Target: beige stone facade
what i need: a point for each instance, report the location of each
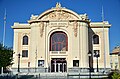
(115, 58)
(59, 39)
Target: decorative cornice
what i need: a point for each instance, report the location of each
(21, 26)
(104, 24)
(70, 20)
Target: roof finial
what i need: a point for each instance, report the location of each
(58, 5)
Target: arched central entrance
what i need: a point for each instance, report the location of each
(58, 43)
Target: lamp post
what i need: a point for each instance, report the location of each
(116, 64)
(97, 55)
(89, 55)
(111, 64)
(19, 62)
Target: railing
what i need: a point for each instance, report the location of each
(58, 52)
(54, 76)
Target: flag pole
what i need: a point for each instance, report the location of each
(4, 35)
(4, 28)
(104, 40)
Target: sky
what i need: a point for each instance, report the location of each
(21, 10)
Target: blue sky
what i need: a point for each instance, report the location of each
(21, 10)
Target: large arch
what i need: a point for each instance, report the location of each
(57, 30)
(55, 60)
(58, 41)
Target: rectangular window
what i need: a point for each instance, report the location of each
(24, 53)
(75, 63)
(96, 53)
(40, 63)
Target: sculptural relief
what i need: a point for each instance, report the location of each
(58, 5)
(59, 15)
(41, 28)
(52, 15)
(75, 27)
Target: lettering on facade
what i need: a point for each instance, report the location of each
(58, 24)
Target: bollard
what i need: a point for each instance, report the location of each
(16, 77)
(79, 75)
(67, 76)
(39, 76)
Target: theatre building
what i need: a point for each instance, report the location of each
(59, 40)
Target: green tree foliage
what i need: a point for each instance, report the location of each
(116, 75)
(6, 56)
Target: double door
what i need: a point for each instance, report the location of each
(58, 65)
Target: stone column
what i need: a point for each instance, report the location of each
(84, 45)
(33, 43)
(63, 66)
(55, 65)
(59, 67)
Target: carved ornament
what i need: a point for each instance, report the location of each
(75, 27)
(59, 15)
(41, 28)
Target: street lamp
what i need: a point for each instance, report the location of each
(97, 55)
(19, 62)
(89, 55)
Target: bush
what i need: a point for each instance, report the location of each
(114, 75)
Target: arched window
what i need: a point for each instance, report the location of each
(95, 39)
(25, 40)
(58, 41)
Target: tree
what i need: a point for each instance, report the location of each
(6, 57)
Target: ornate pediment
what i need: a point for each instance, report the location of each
(58, 13)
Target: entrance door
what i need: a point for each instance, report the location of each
(58, 65)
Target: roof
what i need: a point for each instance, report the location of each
(116, 50)
(60, 14)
